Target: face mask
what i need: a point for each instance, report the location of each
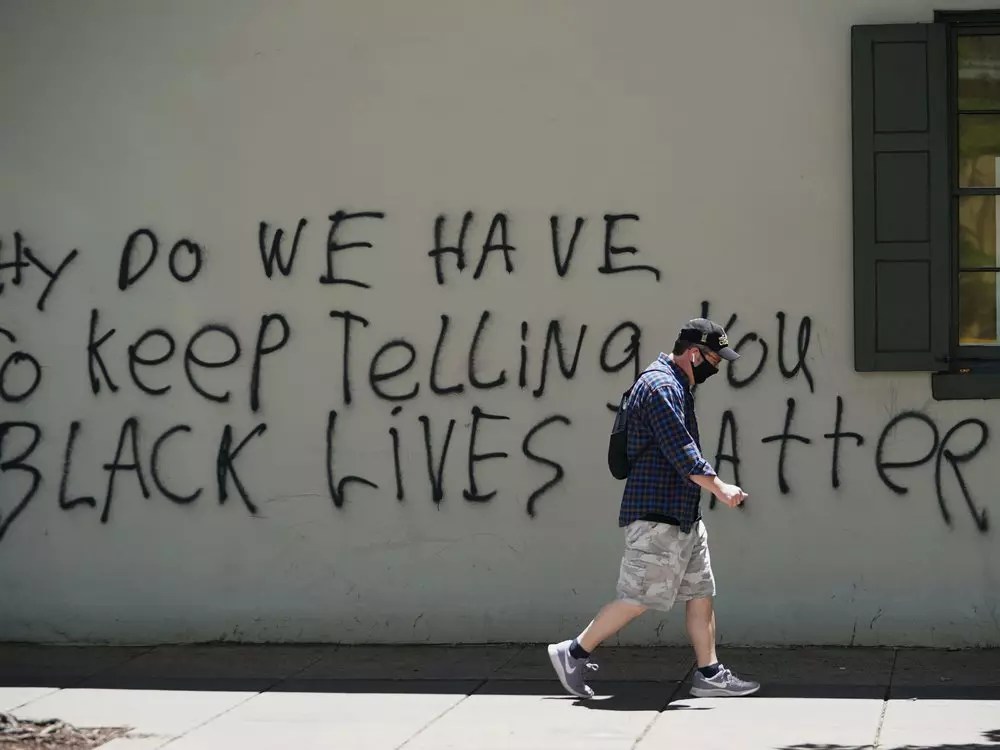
(703, 371)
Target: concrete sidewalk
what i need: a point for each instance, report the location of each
(466, 697)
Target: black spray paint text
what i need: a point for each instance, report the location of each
(454, 247)
(399, 371)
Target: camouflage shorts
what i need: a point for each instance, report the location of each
(662, 565)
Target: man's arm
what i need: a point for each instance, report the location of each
(666, 419)
(665, 412)
(730, 494)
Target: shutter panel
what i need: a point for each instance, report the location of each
(902, 256)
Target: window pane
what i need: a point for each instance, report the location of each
(977, 231)
(977, 308)
(979, 72)
(978, 150)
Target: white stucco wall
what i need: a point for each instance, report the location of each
(723, 126)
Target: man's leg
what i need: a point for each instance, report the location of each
(700, 621)
(711, 679)
(649, 576)
(571, 659)
(613, 617)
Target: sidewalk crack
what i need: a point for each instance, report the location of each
(885, 701)
(673, 696)
(441, 715)
(254, 694)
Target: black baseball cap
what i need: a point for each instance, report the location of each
(708, 333)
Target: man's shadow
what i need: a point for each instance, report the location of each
(638, 696)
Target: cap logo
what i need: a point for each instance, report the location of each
(723, 340)
(704, 338)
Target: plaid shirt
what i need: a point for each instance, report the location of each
(663, 448)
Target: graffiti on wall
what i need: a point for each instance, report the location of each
(942, 452)
(400, 371)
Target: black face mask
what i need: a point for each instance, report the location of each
(703, 371)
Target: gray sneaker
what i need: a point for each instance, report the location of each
(725, 684)
(571, 671)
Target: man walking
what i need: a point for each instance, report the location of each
(666, 556)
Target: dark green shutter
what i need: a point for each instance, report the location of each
(902, 257)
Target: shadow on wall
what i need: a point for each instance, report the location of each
(992, 741)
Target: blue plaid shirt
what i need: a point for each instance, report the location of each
(663, 448)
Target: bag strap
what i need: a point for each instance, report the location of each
(627, 410)
(651, 369)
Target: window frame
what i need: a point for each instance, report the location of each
(964, 358)
(973, 371)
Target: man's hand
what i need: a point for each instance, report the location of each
(730, 494)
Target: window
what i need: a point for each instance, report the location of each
(926, 164)
(976, 183)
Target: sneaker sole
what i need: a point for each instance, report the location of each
(721, 693)
(561, 673)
